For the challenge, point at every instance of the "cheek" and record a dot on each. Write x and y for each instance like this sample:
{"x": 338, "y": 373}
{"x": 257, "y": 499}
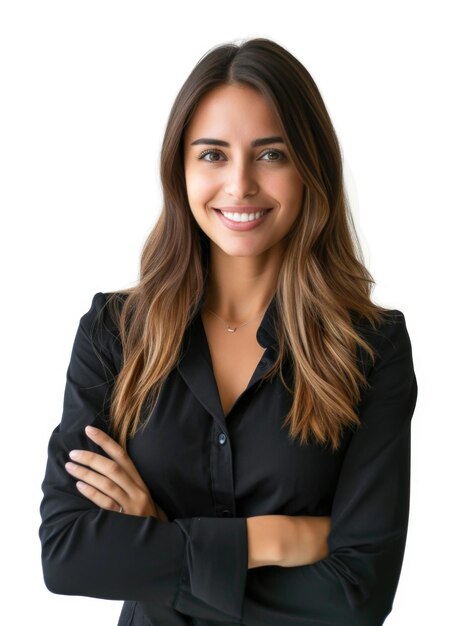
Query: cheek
{"x": 200, "y": 189}
{"x": 288, "y": 190}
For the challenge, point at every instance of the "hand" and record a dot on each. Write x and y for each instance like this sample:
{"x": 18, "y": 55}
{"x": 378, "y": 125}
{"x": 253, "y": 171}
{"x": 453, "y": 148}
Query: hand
{"x": 112, "y": 483}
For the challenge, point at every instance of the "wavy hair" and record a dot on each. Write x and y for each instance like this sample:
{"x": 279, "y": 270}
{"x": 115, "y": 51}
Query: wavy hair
{"x": 323, "y": 288}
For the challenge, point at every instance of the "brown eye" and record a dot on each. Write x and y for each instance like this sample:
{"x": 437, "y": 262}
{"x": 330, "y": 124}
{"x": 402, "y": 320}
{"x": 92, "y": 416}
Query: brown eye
{"x": 280, "y": 155}
{"x": 206, "y": 152}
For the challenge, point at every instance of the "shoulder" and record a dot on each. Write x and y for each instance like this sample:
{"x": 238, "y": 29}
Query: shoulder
{"x": 390, "y": 318}
{"x": 392, "y": 333}
{"x": 388, "y": 337}
{"x": 103, "y": 307}
{"x": 100, "y": 322}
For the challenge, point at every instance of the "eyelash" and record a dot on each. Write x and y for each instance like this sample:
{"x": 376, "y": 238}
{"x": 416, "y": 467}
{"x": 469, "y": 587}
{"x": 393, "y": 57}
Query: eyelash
{"x": 205, "y": 152}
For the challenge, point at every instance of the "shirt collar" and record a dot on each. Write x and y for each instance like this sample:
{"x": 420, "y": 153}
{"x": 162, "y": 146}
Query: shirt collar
{"x": 195, "y": 365}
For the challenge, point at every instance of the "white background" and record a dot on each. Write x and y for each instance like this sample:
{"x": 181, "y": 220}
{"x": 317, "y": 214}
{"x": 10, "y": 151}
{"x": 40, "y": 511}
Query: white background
{"x": 86, "y": 91}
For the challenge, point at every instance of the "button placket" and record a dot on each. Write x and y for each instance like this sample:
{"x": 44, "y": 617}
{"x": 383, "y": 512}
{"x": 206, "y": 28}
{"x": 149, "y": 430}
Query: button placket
{"x": 222, "y": 479}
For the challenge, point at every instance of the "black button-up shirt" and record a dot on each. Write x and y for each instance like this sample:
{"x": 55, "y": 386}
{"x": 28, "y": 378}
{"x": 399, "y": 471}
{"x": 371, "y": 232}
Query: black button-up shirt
{"x": 209, "y": 472}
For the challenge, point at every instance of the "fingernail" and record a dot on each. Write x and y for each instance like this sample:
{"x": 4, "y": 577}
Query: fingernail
{"x": 70, "y": 466}
{"x": 90, "y": 430}
{"x": 74, "y": 454}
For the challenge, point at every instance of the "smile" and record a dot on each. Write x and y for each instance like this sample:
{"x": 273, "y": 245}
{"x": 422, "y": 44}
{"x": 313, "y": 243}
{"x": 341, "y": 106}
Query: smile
{"x": 242, "y": 217}
{"x": 242, "y": 221}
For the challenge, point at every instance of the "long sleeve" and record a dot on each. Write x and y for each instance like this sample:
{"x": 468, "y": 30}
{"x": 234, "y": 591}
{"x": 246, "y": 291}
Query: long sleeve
{"x": 356, "y": 584}
{"x": 94, "y": 552}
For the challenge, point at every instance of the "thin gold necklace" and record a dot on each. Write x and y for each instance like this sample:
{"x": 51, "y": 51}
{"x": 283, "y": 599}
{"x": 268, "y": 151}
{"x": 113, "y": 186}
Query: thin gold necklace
{"x": 228, "y": 328}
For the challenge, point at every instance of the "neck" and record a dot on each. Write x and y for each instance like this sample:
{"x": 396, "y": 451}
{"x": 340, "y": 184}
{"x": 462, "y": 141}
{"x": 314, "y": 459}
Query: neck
{"x": 240, "y": 288}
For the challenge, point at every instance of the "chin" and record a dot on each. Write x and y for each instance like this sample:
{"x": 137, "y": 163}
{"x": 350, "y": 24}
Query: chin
{"x": 240, "y": 251}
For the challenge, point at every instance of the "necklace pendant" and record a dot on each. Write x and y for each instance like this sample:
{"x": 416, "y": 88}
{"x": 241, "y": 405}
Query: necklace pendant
{"x": 231, "y": 330}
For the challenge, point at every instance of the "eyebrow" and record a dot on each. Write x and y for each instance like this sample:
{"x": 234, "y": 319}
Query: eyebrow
{"x": 263, "y": 141}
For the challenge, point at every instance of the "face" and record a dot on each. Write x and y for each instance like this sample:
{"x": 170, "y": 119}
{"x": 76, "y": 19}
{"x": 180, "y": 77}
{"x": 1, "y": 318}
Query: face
{"x": 236, "y": 161}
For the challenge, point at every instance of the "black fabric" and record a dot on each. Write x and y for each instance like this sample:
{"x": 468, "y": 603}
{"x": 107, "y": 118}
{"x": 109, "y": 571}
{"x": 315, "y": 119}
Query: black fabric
{"x": 209, "y": 472}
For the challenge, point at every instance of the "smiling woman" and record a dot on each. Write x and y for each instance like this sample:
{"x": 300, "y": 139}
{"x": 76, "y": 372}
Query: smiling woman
{"x": 250, "y": 461}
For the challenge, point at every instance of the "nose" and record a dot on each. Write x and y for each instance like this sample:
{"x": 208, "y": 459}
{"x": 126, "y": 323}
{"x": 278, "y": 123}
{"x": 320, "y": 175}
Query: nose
{"x": 240, "y": 181}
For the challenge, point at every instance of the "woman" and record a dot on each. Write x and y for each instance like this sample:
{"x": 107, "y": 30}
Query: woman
{"x": 250, "y": 457}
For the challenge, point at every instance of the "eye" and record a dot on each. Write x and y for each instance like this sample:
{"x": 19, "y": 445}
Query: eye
{"x": 206, "y": 152}
{"x": 278, "y": 152}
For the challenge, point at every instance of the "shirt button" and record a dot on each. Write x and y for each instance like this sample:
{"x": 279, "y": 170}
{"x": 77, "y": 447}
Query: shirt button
{"x": 226, "y": 513}
{"x": 222, "y": 439}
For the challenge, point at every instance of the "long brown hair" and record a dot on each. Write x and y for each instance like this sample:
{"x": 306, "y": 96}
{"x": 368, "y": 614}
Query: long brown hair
{"x": 323, "y": 288}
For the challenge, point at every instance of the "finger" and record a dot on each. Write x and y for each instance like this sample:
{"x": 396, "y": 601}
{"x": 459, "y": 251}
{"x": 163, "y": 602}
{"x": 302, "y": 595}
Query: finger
{"x": 98, "y": 498}
{"x": 114, "y": 450}
{"x": 103, "y": 468}
{"x": 98, "y": 481}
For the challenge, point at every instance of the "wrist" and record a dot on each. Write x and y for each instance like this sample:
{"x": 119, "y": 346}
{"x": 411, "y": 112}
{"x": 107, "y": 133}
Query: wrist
{"x": 304, "y": 540}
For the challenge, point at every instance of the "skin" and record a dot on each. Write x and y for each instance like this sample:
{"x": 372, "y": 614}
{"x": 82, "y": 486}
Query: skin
{"x": 112, "y": 483}
{"x": 242, "y": 279}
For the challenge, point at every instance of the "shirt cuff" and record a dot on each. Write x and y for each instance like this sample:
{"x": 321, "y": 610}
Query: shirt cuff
{"x": 216, "y": 563}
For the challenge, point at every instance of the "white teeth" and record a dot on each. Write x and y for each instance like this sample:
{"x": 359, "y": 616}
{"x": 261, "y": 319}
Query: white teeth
{"x": 243, "y": 217}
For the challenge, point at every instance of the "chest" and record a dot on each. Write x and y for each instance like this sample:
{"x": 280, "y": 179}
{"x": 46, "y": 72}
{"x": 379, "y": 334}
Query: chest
{"x": 234, "y": 358}
{"x": 197, "y": 461}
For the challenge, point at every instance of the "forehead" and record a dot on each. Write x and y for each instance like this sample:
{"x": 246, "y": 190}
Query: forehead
{"x": 232, "y": 110}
